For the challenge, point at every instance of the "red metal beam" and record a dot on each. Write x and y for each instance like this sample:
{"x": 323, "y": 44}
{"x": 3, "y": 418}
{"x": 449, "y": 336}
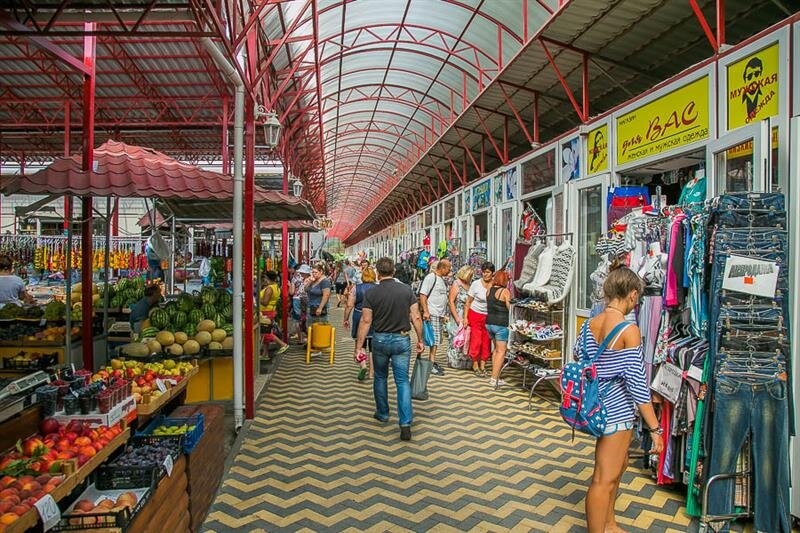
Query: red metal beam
{"x": 720, "y": 23}
{"x": 701, "y": 18}
{"x": 43, "y": 43}
{"x": 468, "y": 152}
{"x": 89, "y": 62}
{"x": 516, "y": 114}
{"x": 489, "y": 135}
{"x": 563, "y": 81}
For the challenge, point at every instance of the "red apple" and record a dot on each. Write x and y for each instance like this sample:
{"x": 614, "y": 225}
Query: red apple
{"x": 75, "y": 426}
{"x": 71, "y": 436}
{"x": 49, "y": 426}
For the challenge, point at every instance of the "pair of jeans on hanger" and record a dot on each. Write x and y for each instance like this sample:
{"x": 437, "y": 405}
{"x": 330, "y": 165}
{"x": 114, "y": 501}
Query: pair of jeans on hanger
{"x": 748, "y": 379}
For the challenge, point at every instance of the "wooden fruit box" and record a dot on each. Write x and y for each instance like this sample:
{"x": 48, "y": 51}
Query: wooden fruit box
{"x": 148, "y": 409}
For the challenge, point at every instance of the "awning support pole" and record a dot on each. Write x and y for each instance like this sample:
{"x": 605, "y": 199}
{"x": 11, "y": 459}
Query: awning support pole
{"x": 87, "y": 338}
{"x": 285, "y": 265}
{"x": 249, "y": 223}
{"x": 238, "y": 139}
{"x": 107, "y": 266}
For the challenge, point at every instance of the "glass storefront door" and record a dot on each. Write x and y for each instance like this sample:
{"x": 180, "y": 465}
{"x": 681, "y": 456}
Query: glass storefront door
{"x": 587, "y": 213}
{"x": 741, "y": 160}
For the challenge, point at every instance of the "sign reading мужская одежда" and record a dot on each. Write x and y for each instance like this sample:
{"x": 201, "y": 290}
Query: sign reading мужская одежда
{"x": 753, "y": 87}
{"x": 676, "y": 119}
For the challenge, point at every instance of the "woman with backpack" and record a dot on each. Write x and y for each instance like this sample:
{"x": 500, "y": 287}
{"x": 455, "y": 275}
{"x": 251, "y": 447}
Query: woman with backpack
{"x": 621, "y": 375}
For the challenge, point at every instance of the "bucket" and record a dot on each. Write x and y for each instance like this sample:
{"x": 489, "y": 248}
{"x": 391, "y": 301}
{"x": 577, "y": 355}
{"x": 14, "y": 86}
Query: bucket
{"x": 321, "y": 336}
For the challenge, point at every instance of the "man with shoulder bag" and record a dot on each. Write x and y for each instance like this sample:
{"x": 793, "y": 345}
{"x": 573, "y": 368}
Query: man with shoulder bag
{"x": 433, "y": 303}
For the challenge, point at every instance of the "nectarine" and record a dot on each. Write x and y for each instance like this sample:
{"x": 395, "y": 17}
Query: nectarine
{"x": 8, "y": 518}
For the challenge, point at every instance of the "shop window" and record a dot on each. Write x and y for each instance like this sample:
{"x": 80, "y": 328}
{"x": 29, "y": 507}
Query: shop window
{"x": 590, "y": 222}
{"x": 449, "y": 208}
{"x": 459, "y": 209}
{"x": 735, "y": 168}
{"x": 481, "y": 231}
{"x": 538, "y": 173}
{"x": 775, "y": 178}
{"x": 507, "y": 230}
{"x": 428, "y": 220}
{"x": 558, "y": 215}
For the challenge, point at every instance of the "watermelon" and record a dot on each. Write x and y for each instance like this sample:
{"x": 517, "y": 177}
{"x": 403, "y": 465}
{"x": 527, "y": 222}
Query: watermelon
{"x": 116, "y": 301}
{"x": 195, "y": 316}
{"x": 219, "y": 319}
{"x": 227, "y": 312}
{"x": 159, "y": 318}
{"x": 137, "y": 294}
{"x": 180, "y": 319}
{"x": 208, "y": 296}
{"x": 228, "y": 329}
{"x": 190, "y": 329}
{"x": 209, "y": 311}
{"x": 185, "y": 303}
{"x": 171, "y": 308}
{"x": 138, "y": 283}
{"x": 123, "y": 284}
{"x": 224, "y": 297}
{"x": 149, "y": 332}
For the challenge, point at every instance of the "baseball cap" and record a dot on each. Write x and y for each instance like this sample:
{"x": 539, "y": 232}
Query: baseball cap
{"x": 304, "y": 269}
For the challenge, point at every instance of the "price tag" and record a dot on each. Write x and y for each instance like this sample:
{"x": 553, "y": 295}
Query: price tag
{"x": 172, "y": 381}
{"x": 161, "y": 385}
{"x": 48, "y": 511}
{"x": 168, "y": 464}
{"x": 43, "y": 322}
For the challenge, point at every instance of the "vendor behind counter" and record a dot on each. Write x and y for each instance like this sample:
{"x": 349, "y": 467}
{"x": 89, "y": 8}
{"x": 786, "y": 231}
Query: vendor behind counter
{"x": 141, "y": 309}
{"x": 12, "y": 287}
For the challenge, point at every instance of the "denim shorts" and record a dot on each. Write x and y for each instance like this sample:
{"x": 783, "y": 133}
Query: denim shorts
{"x": 621, "y": 426}
{"x": 498, "y": 333}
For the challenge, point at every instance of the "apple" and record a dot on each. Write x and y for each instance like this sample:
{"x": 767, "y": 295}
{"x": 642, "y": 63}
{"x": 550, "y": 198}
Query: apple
{"x": 71, "y": 436}
{"x": 75, "y": 426}
{"x": 49, "y": 426}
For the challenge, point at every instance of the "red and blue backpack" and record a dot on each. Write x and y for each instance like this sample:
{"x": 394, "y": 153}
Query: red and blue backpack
{"x": 581, "y": 395}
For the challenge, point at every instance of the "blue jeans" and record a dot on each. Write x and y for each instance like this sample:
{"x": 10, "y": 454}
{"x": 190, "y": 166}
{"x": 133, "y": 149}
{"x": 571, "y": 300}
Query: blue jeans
{"x": 763, "y": 410}
{"x": 498, "y": 333}
{"x": 394, "y": 348}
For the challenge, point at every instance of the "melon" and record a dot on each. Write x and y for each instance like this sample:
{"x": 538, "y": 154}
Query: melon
{"x": 218, "y": 335}
{"x": 213, "y": 345}
{"x": 154, "y": 346}
{"x": 227, "y": 344}
{"x": 165, "y": 338}
{"x": 181, "y": 337}
{"x": 206, "y": 325}
{"x": 203, "y": 338}
{"x": 191, "y": 347}
{"x": 136, "y": 349}
{"x": 175, "y": 349}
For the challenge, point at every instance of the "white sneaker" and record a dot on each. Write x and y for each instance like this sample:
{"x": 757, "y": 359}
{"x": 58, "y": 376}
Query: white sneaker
{"x": 497, "y": 383}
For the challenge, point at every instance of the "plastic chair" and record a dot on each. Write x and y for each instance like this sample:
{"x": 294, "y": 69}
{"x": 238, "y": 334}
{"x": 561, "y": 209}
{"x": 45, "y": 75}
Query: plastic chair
{"x": 321, "y": 337}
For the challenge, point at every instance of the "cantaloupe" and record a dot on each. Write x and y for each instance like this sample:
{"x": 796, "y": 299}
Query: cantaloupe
{"x": 191, "y": 347}
{"x": 218, "y": 335}
{"x": 136, "y": 349}
{"x": 165, "y": 338}
{"x": 181, "y": 337}
{"x": 203, "y": 338}
{"x": 154, "y": 346}
{"x": 175, "y": 349}
{"x": 206, "y": 325}
{"x": 227, "y": 344}
{"x": 213, "y": 345}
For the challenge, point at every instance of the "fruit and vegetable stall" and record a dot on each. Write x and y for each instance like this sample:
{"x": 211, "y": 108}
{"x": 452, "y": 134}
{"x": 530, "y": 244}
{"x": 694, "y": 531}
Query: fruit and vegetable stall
{"x": 112, "y": 449}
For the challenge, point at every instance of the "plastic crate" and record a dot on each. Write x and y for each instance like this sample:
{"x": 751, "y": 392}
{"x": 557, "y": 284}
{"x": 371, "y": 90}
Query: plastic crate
{"x": 119, "y": 520}
{"x": 140, "y": 439}
{"x": 114, "y": 477}
{"x": 190, "y": 438}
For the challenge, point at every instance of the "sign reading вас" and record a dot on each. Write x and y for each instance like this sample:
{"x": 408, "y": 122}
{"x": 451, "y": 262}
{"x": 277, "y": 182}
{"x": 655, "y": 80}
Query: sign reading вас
{"x": 753, "y": 87}
{"x": 676, "y": 119}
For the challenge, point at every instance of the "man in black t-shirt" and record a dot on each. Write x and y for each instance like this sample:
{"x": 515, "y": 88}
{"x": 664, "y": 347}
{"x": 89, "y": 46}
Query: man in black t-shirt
{"x": 390, "y": 309}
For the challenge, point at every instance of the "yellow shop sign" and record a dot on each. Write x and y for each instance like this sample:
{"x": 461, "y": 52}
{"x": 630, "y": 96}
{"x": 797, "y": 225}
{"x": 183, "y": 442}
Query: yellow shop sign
{"x": 597, "y": 150}
{"x": 753, "y": 87}
{"x": 676, "y": 119}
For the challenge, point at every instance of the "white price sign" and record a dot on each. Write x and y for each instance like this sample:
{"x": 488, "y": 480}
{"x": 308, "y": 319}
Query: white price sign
{"x": 168, "y": 464}
{"x": 161, "y": 385}
{"x": 751, "y": 276}
{"x": 48, "y": 511}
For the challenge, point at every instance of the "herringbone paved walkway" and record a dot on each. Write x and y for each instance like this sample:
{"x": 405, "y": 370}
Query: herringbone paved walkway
{"x": 315, "y": 460}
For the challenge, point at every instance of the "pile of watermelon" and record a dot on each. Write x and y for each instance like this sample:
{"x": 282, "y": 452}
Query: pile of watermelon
{"x": 204, "y": 318}
{"x": 127, "y": 292}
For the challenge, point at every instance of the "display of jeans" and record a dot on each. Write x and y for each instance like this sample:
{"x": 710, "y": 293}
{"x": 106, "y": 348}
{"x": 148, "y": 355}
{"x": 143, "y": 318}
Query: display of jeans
{"x": 748, "y": 361}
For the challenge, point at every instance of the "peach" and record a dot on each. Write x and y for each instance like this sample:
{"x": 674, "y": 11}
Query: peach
{"x": 21, "y": 509}
{"x": 84, "y": 506}
{"x": 8, "y": 518}
{"x": 5, "y": 507}
{"x": 83, "y": 441}
{"x": 13, "y": 500}
{"x": 105, "y": 504}
{"x": 7, "y": 481}
{"x": 5, "y": 493}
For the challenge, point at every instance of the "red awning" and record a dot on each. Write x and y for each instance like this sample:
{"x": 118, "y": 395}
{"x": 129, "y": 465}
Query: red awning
{"x": 136, "y": 172}
{"x": 295, "y": 226}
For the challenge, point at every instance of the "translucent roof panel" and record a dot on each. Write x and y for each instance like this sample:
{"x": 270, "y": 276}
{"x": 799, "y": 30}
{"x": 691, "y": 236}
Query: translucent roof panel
{"x": 393, "y": 76}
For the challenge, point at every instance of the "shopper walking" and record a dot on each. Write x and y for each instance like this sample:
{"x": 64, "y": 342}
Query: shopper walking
{"x": 391, "y": 309}
{"x": 457, "y": 302}
{"x": 268, "y": 311}
{"x": 355, "y": 304}
{"x": 318, "y": 287}
{"x": 297, "y": 290}
{"x": 340, "y": 282}
{"x": 475, "y": 317}
{"x": 498, "y": 302}
{"x": 620, "y": 368}
{"x": 433, "y": 303}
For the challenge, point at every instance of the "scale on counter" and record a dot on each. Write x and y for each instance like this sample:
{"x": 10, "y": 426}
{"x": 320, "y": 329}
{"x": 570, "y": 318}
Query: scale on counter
{"x": 18, "y": 394}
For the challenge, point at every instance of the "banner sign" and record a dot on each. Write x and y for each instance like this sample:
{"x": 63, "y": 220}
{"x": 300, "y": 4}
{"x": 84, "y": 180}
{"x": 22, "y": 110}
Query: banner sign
{"x": 498, "y": 187}
{"x": 676, "y": 119}
{"x": 511, "y": 183}
{"x": 753, "y": 87}
{"x": 751, "y": 276}
{"x": 597, "y": 150}
{"x": 482, "y": 195}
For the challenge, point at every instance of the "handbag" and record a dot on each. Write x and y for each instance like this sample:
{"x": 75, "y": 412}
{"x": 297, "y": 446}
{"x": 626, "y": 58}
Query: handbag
{"x": 419, "y": 378}
{"x": 461, "y": 338}
{"x": 428, "y": 335}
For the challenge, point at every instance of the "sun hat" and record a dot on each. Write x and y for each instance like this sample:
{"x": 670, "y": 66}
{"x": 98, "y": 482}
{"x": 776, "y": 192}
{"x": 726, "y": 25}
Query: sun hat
{"x": 304, "y": 269}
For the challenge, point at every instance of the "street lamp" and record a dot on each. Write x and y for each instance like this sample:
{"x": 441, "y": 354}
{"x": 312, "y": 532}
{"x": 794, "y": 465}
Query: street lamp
{"x": 297, "y": 187}
{"x": 272, "y": 126}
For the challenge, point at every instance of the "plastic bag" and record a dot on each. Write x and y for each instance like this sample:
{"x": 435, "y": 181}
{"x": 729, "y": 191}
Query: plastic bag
{"x": 205, "y": 267}
{"x": 428, "y": 335}
{"x": 419, "y": 378}
{"x": 461, "y": 339}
